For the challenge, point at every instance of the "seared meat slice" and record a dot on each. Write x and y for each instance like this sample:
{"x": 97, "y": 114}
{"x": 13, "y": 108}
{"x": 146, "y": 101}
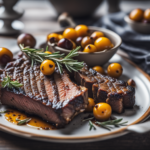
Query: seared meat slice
{"x": 106, "y": 89}
{"x": 55, "y": 98}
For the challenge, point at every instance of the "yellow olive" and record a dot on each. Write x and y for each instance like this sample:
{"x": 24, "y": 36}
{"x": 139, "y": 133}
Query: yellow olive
{"x": 70, "y": 33}
{"x": 115, "y": 70}
{"x": 147, "y": 14}
{"x": 90, "y": 49}
{"x": 53, "y": 37}
{"x": 82, "y": 30}
{"x": 5, "y": 55}
{"x": 99, "y": 69}
{"x": 47, "y": 67}
{"x": 102, "y": 111}
{"x": 91, "y": 104}
{"x": 60, "y": 36}
{"x": 95, "y": 35}
{"x": 136, "y": 14}
{"x": 74, "y": 44}
{"x": 48, "y": 52}
{"x": 103, "y": 43}
{"x": 86, "y": 40}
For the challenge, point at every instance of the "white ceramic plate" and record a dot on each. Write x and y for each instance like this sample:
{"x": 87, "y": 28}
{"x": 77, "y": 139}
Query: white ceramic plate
{"x": 77, "y": 131}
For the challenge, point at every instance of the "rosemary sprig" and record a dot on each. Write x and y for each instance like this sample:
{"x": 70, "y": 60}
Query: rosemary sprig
{"x": 106, "y": 124}
{"x": 21, "y": 122}
{"x": 38, "y": 55}
{"x": 91, "y": 125}
{"x": 5, "y": 111}
{"x": 7, "y": 82}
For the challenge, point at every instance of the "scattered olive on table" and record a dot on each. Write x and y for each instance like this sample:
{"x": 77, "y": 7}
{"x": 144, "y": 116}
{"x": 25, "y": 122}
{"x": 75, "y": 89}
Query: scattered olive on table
{"x": 5, "y": 56}
{"x": 102, "y": 111}
{"x": 90, "y": 105}
{"x": 47, "y": 67}
{"x": 26, "y": 39}
{"x": 99, "y": 69}
{"x": 114, "y": 70}
{"x": 90, "y": 48}
{"x": 65, "y": 43}
{"x": 86, "y": 40}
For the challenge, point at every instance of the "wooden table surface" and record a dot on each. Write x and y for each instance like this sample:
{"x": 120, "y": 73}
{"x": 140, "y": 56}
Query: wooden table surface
{"x": 40, "y": 18}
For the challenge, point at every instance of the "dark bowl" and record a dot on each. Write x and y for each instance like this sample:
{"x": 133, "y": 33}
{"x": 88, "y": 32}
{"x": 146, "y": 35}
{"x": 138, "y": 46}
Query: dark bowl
{"x": 76, "y": 8}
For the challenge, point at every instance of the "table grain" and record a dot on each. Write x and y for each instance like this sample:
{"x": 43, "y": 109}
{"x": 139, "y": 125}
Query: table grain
{"x": 40, "y": 18}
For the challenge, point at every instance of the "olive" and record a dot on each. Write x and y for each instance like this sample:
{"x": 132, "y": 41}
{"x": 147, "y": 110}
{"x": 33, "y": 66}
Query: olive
{"x": 90, "y": 105}
{"x": 53, "y": 37}
{"x": 26, "y": 39}
{"x": 147, "y": 14}
{"x": 5, "y": 55}
{"x": 103, "y": 43}
{"x": 95, "y": 35}
{"x": 82, "y": 30}
{"x": 136, "y": 14}
{"x": 65, "y": 43}
{"x": 102, "y": 111}
{"x": 131, "y": 82}
{"x": 90, "y": 49}
{"x": 115, "y": 70}
{"x": 78, "y": 40}
{"x": 86, "y": 40}
{"x": 70, "y": 33}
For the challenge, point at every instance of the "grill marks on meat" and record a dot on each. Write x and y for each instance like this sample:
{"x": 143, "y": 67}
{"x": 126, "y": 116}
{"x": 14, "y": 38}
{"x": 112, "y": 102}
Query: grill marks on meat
{"x": 106, "y": 89}
{"x": 55, "y": 98}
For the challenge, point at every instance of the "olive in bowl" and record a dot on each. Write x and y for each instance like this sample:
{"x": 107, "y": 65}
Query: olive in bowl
{"x": 139, "y": 20}
{"x": 94, "y": 58}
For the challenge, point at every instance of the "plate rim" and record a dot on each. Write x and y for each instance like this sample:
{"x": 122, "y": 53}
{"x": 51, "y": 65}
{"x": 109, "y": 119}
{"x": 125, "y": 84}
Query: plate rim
{"x": 50, "y": 137}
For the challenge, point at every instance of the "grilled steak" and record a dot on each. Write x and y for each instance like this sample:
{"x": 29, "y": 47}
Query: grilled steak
{"x": 106, "y": 89}
{"x": 55, "y": 98}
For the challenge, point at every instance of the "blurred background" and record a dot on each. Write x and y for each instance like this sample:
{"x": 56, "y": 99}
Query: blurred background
{"x": 39, "y": 17}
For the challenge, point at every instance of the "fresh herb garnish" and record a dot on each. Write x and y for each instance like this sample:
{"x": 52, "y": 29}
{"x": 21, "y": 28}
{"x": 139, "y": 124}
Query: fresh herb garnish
{"x": 21, "y": 122}
{"x": 91, "y": 125}
{"x": 7, "y": 82}
{"x": 106, "y": 124}
{"x": 5, "y": 111}
{"x": 38, "y": 55}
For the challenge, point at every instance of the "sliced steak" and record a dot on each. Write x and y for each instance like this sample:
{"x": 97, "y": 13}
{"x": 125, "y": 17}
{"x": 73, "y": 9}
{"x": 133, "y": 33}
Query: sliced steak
{"x": 106, "y": 89}
{"x": 55, "y": 98}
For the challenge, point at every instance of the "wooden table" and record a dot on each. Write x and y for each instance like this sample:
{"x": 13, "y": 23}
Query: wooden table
{"x": 39, "y": 19}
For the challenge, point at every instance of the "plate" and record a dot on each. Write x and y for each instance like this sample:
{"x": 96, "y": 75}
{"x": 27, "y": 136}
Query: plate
{"x": 78, "y": 131}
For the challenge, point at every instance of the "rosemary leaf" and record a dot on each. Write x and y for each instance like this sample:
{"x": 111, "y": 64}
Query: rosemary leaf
{"x": 7, "y": 82}
{"x": 38, "y": 55}
{"x": 5, "y": 111}
{"x": 21, "y": 122}
{"x": 91, "y": 126}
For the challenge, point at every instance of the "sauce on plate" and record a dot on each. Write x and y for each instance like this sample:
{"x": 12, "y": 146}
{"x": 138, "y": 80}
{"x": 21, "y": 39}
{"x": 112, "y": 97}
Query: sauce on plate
{"x": 35, "y": 122}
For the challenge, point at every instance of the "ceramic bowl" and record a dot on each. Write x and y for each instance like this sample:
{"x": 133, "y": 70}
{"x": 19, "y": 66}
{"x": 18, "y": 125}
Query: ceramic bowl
{"x": 140, "y": 27}
{"x": 96, "y": 58}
